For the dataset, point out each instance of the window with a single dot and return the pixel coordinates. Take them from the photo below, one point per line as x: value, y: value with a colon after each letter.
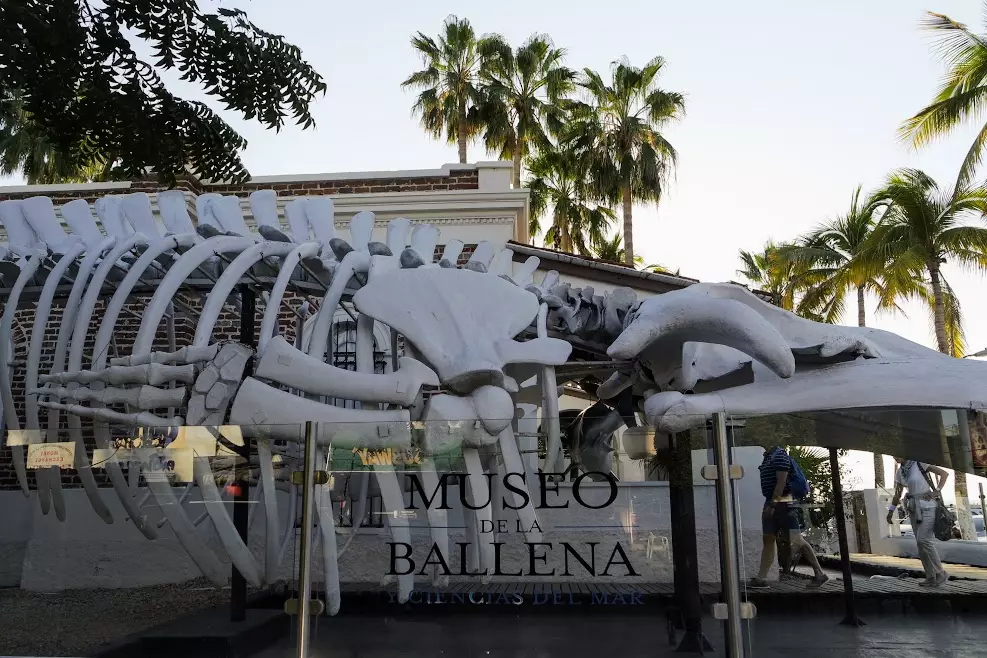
x: 343, y: 350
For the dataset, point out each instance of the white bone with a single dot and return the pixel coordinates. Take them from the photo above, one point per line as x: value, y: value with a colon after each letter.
x: 398, y: 232
x: 45, y: 485
x: 452, y: 251
x: 273, y: 308
x: 40, y: 214
x: 361, y: 230
x: 155, y: 374
x: 229, y: 212
x: 319, y: 214
x: 481, y: 256
x: 224, y: 287
x: 479, y: 491
x: 272, y: 546
x: 353, y: 263
x: 20, y: 235
x: 6, y: 395
x: 41, y: 314
x: 393, y: 499
x: 142, y: 418
x: 78, y: 215
x: 327, y: 531
x: 216, y: 508
x: 136, y: 209
x: 546, y: 351
x: 111, y: 217
x: 186, y: 355
x: 179, y: 271
x: 512, y: 464
x: 424, y: 237
x: 258, y: 404
x: 287, y: 365
x: 204, y: 210
x: 174, y: 212
x: 550, y: 400
x: 502, y: 263
x: 524, y: 274
x: 454, y: 317
x: 80, y: 329
x: 145, y: 397
x: 298, y: 222
x: 264, y: 208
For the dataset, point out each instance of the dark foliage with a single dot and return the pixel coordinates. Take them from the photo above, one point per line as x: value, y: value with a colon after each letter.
x: 95, y: 100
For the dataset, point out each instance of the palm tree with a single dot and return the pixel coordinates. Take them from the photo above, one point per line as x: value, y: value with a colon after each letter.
x: 618, y: 133
x: 612, y: 249
x: 560, y: 184
x: 924, y: 227
x: 782, y: 278
x: 25, y: 150
x: 831, y: 255
x: 524, y: 94
x: 451, y: 93
x: 961, y: 94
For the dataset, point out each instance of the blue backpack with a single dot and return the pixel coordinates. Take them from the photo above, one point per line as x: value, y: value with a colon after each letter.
x: 799, y: 486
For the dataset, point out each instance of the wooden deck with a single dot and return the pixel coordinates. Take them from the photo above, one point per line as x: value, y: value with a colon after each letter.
x: 866, y: 563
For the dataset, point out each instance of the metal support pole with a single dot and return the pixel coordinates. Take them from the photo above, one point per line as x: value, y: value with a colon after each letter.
x: 851, y: 618
x: 305, y: 550
x: 728, y: 538
x: 685, y: 558
x: 241, y: 496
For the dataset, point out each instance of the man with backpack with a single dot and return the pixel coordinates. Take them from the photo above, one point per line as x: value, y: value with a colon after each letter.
x: 782, y: 483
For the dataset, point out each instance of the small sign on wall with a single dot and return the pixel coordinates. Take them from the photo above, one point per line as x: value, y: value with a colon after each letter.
x: 46, y: 455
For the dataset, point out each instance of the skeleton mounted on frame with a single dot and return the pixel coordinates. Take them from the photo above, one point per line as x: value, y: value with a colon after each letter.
x: 481, y: 340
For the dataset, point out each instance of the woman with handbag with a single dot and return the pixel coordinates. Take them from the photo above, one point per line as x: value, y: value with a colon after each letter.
x: 922, y: 502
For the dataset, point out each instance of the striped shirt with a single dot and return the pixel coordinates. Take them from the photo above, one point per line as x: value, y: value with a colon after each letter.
x: 775, y: 460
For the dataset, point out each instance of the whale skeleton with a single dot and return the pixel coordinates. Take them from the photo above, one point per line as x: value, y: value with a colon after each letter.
x: 480, y: 340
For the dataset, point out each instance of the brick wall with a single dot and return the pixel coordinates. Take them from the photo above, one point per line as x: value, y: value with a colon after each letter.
x: 60, y: 197
x: 464, y: 179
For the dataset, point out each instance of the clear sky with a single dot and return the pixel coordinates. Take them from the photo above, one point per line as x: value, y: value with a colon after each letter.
x: 789, y: 106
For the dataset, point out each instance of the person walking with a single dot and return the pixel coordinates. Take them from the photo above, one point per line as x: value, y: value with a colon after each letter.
x: 920, y: 502
x: 779, y: 519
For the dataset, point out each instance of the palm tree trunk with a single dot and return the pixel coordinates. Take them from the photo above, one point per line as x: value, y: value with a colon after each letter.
x: 628, y: 226
x: 938, y: 309
x: 879, y: 476
x: 879, y: 479
x: 462, y: 131
x: 960, y: 493
x: 565, y: 237
x: 517, y: 167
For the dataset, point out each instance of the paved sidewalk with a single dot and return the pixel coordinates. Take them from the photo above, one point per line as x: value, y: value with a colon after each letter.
x: 636, y: 636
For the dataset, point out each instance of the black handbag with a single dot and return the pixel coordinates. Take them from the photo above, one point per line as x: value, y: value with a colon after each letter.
x: 945, y: 521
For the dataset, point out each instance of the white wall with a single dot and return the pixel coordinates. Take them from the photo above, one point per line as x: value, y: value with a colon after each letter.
x: 38, y: 552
